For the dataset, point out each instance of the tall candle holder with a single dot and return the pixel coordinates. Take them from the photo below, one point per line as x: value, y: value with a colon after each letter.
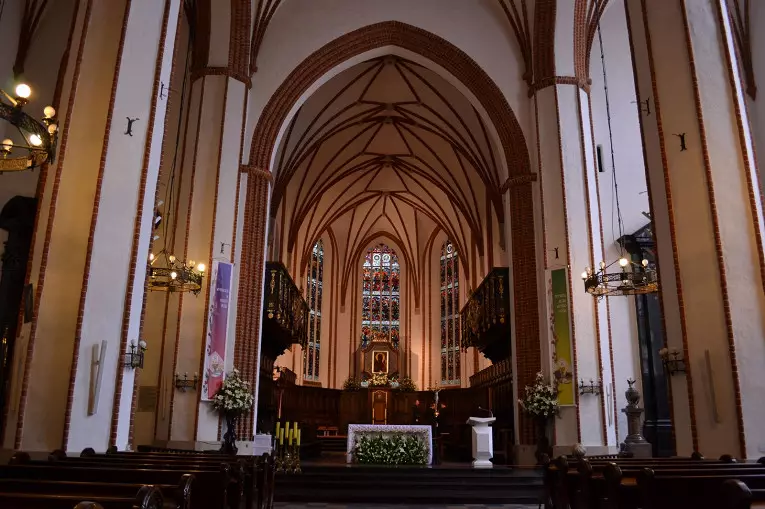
x: 296, y: 460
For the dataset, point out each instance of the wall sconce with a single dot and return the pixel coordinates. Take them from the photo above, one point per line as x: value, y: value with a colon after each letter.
x: 591, y: 388
x: 134, y: 358
x: 184, y: 383
x: 672, y: 360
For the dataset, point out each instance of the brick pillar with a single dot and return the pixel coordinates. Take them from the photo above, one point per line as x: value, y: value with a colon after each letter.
x: 250, y: 300
x: 708, y: 221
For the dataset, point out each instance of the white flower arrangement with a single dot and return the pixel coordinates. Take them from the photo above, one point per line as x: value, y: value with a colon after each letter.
x: 234, y: 396
x: 541, y: 399
x: 393, y: 450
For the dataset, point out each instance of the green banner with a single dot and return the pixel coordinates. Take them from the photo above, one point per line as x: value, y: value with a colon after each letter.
x: 561, y: 329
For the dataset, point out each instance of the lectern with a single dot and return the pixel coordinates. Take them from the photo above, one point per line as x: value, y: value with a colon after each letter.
x: 483, y: 443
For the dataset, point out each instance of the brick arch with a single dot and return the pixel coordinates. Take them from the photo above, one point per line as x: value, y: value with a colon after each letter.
x: 527, y: 352
x: 391, y: 33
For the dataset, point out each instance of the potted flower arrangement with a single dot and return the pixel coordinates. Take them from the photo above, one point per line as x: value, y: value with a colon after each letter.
x: 351, y: 384
x: 232, y: 400
x: 406, y: 384
x: 540, y: 401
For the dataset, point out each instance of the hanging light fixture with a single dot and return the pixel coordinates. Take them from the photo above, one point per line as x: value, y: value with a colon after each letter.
x: 39, y: 137
x: 166, y: 273
x: 629, y: 278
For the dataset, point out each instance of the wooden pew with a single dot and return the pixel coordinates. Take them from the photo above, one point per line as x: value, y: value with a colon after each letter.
x: 209, y: 488
x: 585, y: 484
x: 248, y: 465
x: 175, y: 496
x: 148, y: 497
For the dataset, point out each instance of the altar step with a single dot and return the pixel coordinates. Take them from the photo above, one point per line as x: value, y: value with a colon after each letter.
x: 410, y: 485
x: 333, y: 444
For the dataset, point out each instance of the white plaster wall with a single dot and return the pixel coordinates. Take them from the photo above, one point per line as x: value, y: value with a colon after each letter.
x: 740, y: 227
x: 476, y: 28
x: 630, y: 178
x: 757, y: 107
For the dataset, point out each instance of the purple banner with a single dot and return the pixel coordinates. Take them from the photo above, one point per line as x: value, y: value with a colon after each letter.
x: 217, y: 329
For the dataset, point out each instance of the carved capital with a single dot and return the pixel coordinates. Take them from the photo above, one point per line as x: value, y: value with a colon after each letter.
x: 256, y: 172
x: 518, y: 180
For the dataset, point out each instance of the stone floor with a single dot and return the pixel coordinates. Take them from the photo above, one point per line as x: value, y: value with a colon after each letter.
x: 287, y: 505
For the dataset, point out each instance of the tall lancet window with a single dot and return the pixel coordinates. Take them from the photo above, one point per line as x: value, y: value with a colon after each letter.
x: 380, y: 295
x: 450, y: 328
x: 314, y: 279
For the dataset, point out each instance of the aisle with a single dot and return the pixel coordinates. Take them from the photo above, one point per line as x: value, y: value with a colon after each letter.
x: 288, y: 505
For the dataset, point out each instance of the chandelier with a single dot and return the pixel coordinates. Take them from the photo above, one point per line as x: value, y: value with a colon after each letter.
x: 168, y: 274
x: 629, y: 278
x: 39, y: 138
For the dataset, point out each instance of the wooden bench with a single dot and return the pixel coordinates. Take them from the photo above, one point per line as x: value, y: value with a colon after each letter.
x: 208, y: 490
x: 175, y: 496
x: 259, y: 472
x: 148, y: 497
x: 649, y: 483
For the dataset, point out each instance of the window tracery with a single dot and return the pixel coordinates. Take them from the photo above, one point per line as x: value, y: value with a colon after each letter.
x: 380, y: 295
x: 450, y: 329
x: 314, y: 279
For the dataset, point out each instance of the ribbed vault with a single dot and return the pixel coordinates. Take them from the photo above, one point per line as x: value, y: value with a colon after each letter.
x: 386, y: 148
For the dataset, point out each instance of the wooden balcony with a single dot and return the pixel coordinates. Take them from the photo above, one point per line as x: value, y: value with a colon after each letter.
x: 486, y: 317
x: 285, y: 312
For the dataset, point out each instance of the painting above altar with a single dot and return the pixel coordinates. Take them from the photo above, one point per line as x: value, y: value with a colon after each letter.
x: 358, y: 431
x: 379, y: 356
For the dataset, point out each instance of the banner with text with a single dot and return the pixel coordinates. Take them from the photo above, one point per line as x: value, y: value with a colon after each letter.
x: 561, y: 336
x: 217, y: 328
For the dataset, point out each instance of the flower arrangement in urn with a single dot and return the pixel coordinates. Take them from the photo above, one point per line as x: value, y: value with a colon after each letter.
x: 232, y: 400
x: 540, y: 401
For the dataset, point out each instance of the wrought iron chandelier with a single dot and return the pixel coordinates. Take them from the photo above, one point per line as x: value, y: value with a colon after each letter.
x: 166, y: 273
x: 39, y: 137
x: 173, y: 275
x: 630, y: 278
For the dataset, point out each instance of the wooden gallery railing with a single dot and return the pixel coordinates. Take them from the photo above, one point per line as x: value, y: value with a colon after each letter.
x: 285, y: 322
x: 486, y: 317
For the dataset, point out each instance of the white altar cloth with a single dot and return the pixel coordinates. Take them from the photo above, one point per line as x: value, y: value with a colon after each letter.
x: 424, y: 432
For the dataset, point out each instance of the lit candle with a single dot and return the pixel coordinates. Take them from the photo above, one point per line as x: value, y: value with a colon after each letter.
x: 287, y: 427
x: 278, y: 425
x: 296, y: 429
x: 298, y: 438
x: 281, y: 437
x: 290, y: 437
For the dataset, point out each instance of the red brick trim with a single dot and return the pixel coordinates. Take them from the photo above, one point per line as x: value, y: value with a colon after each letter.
x: 239, y: 39
x: 457, y: 63
x: 718, y: 240
x: 544, y: 39
x: 221, y: 71
x: 550, y: 81
x: 517, y: 181
x: 257, y: 172
x: 91, y: 236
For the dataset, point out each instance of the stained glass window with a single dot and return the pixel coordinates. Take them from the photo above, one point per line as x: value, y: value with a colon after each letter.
x: 314, y: 280
x: 380, y: 295
x: 450, y: 329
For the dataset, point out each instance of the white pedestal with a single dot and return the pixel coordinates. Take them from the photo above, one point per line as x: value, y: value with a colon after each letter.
x: 483, y: 441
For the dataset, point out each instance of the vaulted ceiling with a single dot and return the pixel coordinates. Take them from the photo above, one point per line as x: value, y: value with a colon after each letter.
x: 386, y: 148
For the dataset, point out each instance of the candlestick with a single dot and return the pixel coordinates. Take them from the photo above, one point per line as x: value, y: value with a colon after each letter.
x: 290, y: 436
x: 298, y: 437
x: 281, y: 437
x: 278, y: 426
x: 296, y: 427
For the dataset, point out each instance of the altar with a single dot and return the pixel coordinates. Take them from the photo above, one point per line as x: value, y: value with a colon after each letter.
x: 355, y: 431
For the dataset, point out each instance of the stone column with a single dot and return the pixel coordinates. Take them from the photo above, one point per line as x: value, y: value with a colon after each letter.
x: 707, y: 210
x: 93, y: 229
x: 572, y: 234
